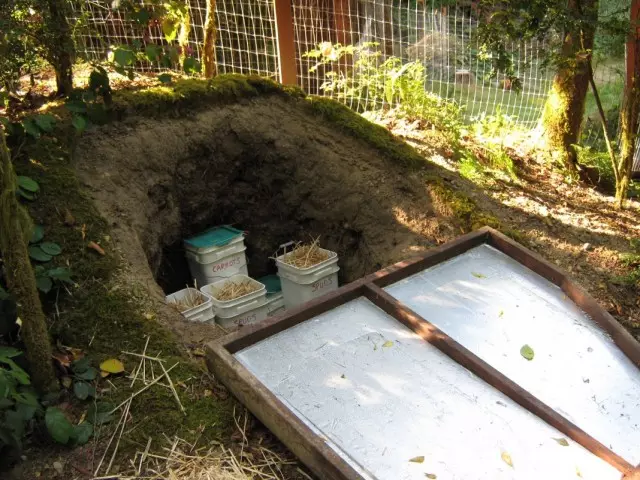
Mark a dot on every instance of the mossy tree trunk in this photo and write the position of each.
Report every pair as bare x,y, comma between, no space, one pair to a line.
59,45
630,108
210,38
564,109
15,229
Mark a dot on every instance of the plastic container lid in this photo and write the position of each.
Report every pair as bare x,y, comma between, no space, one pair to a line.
214,237
272,282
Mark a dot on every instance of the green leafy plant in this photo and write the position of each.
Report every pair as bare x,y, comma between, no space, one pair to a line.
43,252
373,83
489,133
83,375
18,402
65,432
28,188
631,260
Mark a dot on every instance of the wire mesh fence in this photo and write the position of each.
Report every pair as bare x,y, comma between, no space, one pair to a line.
246,34
439,35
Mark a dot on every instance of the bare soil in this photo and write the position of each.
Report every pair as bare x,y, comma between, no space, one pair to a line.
265,166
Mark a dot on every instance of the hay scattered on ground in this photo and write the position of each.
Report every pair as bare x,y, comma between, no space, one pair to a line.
305,255
235,289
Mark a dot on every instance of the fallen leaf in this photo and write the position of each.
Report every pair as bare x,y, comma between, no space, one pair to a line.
431,475
506,458
104,374
149,316
113,365
419,459
198,352
527,352
69,219
207,393
387,344
62,359
96,247
578,472
501,314
478,275
562,441
83,230
343,376
66,382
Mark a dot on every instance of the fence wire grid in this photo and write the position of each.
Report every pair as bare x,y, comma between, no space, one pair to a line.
436,33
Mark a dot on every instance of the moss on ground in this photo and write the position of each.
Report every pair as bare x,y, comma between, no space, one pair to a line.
104,317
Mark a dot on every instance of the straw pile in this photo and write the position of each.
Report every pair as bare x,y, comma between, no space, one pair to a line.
191,300
305,255
235,289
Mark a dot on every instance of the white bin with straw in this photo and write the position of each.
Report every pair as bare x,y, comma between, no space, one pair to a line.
238,300
306,273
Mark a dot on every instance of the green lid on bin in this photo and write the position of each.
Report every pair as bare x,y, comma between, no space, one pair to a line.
214,237
272,282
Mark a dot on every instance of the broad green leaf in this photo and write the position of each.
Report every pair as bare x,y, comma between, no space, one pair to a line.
79,123
51,248
152,53
6,385
527,352
5,402
61,274
31,128
28,184
44,284
76,106
82,433
15,422
562,441
9,352
123,57
191,65
113,365
26,195
45,122
37,254
142,16
27,412
81,390
165,78
16,372
89,374
26,397
419,459
37,234
81,365
58,426
169,29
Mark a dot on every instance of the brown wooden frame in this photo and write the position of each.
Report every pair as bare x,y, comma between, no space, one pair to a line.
314,451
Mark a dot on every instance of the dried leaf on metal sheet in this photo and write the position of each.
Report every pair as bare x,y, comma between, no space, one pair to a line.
562,441
113,365
506,458
431,475
527,352
478,275
419,459
387,344
501,314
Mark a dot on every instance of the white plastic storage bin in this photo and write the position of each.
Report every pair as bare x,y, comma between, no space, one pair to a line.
216,254
201,313
300,285
275,299
229,308
252,312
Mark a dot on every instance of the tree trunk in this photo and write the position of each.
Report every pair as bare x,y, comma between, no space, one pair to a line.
60,48
210,38
564,108
15,228
630,105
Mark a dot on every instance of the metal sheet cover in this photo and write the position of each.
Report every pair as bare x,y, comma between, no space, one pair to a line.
381,396
494,306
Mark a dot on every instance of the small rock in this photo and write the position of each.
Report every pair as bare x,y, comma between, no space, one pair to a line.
58,467
586,247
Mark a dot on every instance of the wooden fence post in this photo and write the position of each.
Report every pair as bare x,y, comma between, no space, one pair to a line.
286,43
